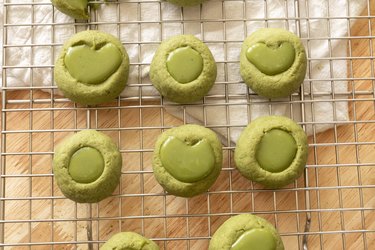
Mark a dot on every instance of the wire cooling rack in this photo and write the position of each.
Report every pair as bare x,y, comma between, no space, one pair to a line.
330,207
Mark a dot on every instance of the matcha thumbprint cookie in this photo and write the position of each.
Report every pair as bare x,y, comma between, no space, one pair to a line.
92,68
186,2
246,232
273,62
87,166
183,69
187,160
129,241
77,9
272,151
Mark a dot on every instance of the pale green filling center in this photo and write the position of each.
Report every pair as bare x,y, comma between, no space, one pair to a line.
92,66
255,239
185,64
86,165
276,150
78,4
271,60
187,163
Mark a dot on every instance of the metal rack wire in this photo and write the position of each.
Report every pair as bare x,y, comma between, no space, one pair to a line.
332,207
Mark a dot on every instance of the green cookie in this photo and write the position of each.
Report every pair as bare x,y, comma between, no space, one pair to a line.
273,62
187,160
77,9
272,150
92,68
87,166
186,2
129,241
183,69
244,232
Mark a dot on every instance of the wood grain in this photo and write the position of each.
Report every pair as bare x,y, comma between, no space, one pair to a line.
36,211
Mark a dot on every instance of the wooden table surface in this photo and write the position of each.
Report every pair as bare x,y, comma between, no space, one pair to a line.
41,214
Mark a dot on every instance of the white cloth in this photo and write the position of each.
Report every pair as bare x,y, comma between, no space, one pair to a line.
144,25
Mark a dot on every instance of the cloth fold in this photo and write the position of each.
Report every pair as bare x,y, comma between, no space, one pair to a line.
223,25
